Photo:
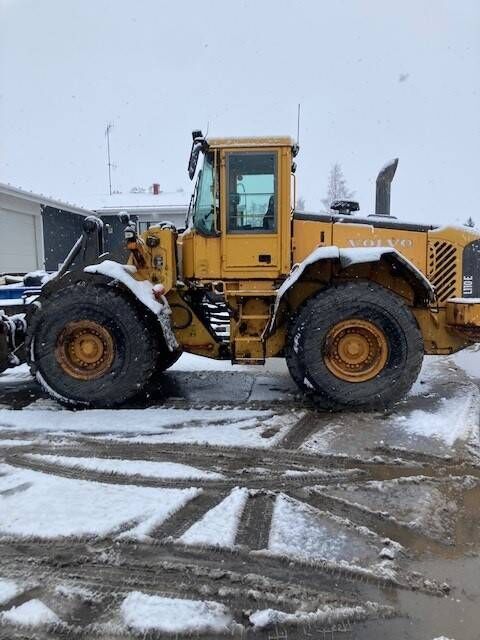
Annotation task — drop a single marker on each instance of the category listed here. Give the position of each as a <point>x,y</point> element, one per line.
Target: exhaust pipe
<point>384,183</point>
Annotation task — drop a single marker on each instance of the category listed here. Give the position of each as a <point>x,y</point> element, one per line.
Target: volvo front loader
<point>353,303</point>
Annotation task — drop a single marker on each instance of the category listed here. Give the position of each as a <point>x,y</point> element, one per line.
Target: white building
<point>36,232</point>
<point>146,208</point>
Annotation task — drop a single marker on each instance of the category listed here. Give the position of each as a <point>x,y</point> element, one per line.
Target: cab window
<point>252,192</point>
<point>205,200</point>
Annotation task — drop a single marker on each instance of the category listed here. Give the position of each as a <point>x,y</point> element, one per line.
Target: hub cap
<point>85,350</point>
<point>355,350</point>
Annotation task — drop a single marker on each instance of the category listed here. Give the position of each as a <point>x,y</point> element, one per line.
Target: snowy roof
<point>147,201</point>
<point>40,198</point>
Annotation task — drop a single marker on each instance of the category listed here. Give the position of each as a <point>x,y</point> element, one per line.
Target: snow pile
<point>16,374</point>
<point>468,360</point>
<point>8,590</point>
<point>429,374</point>
<point>219,526</point>
<point>12,442</point>
<point>456,418</point>
<point>142,613</point>
<point>235,429</point>
<point>145,468</point>
<point>191,362</point>
<point>221,427</point>
<point>48,506</point>
<point>30,614</point>
<point>326,615</point>
<point>303,532</point>
<point>71,591</point>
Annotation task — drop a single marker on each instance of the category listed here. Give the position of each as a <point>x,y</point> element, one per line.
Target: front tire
<point>92,346</point>
<point>355,346</point>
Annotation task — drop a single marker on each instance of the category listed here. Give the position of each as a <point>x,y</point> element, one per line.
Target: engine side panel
<point>311,234</point>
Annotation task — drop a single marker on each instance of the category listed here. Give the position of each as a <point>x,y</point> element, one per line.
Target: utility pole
<point>109,162</point>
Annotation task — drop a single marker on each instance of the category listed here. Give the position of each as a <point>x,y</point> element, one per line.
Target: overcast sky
<point>375,80</point>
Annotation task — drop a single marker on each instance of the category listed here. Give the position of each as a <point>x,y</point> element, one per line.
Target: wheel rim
<point>355,350</point>
<point>85,350</point>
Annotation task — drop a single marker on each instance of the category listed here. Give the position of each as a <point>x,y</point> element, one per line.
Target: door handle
<point>265,257</point>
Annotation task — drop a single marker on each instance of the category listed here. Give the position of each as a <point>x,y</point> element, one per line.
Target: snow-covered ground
<point>145,468</point>
<point>198,476</point>
<point>49,506</point>
<point>142,612</point>
<point>216,426</point>
<point>219,526</point>
<point>29,614</point>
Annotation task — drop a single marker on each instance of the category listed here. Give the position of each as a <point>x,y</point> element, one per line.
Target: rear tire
<point>92,346</point>
<point>393,343</point>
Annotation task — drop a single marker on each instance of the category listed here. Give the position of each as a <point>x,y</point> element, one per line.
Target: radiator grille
<point>442,268</point>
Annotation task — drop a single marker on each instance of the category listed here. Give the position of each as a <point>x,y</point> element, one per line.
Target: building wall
<point>61,229</point>
<point>114,238</point>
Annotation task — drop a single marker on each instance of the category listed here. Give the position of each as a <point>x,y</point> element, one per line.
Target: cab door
<point>251,216</point>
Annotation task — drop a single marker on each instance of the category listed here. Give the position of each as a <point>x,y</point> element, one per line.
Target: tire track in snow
<point>254,527</point>
<point>183,519</point>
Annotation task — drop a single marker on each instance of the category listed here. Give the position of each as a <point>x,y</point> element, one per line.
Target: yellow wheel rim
<point>85,350</point>
<point>355,350</point>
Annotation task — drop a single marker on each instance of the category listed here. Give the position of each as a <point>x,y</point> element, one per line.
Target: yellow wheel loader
<point>352,302</point>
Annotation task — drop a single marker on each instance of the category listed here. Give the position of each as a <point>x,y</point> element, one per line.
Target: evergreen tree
<point>470,222</point>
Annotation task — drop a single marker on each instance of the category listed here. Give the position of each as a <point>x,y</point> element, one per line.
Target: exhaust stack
<point>384,183</point>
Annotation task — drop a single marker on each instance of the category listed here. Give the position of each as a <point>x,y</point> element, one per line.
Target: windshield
<point>204,209</point>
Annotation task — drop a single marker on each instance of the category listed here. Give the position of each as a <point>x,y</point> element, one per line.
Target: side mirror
<point>124,217</point>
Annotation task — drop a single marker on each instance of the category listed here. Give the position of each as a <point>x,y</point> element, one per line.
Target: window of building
<point>252,193</point>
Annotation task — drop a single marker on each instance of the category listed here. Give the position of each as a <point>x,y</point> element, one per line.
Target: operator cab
<point>241,207</point>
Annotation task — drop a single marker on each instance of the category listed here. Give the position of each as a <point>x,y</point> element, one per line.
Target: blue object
<point>17,293</point>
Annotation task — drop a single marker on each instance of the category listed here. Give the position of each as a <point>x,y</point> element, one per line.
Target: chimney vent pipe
<point>384,184</point>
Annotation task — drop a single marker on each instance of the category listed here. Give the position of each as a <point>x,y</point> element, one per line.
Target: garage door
<point>18,243</point>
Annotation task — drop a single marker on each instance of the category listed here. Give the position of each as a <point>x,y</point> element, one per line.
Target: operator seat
<point>269,217</point>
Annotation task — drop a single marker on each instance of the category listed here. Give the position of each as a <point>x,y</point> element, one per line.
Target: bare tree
<point>337,188</point>
<point>470,222</point>
<point>300,204</point>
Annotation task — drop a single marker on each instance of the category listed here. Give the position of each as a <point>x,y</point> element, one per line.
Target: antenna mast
<point>109,162</point>
<point>298,124</point>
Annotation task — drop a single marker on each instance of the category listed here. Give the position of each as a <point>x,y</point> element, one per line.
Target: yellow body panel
<point>159,264</point>
<point>201,256</point>
<point>464,315</point>
<point>308,235</point>
<point>245,269</point>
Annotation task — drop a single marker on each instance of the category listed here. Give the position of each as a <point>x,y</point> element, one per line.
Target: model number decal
<point>467,285</point>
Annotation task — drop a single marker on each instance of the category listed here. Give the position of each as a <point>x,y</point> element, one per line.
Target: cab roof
<point>251,141</point>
